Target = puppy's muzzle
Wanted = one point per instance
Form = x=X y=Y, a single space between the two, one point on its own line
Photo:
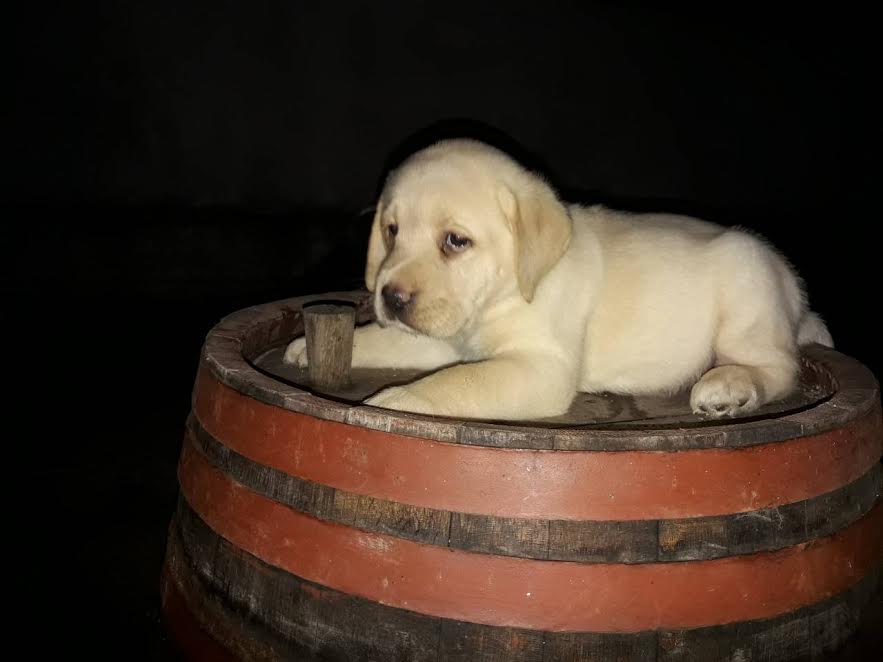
x=397 y=301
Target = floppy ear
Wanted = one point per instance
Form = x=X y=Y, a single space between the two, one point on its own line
x=376 y=250
x=541 y=228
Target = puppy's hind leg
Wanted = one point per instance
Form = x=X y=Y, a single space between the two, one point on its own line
x=755 y=347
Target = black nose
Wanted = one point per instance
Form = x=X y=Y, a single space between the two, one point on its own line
x=396 y=299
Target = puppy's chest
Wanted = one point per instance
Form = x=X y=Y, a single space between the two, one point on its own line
x=473 y=348
x=485 y=340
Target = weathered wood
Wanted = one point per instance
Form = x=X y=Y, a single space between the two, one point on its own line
x=223 y=615
x=831 y=623
x=298 y=619
x=264 y=389
x=527 y=538
x=190 y=637
x=586 y=541
x=580 y=646
x=773 y=528
x=831 y=512
x=329 y=335
x=411 y=425
x=607 y=541
x=778 y=639
x=809 y=633
x=261 y=612
x=398 y=519
x=500 y=436
x=470 y=642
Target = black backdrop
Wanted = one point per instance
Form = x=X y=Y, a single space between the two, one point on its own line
x=230 y=146
x=168 y=162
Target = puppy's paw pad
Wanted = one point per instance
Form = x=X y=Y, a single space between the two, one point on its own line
x=296 y=353
x=726 y=391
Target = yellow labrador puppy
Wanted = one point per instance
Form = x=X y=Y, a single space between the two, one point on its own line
x=480 y=271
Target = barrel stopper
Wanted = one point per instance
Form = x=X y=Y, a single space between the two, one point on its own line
x=329 y=334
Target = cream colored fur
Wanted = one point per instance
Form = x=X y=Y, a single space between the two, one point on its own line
x=549 y=299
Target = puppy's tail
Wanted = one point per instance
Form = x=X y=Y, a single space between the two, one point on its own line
x=812 y=329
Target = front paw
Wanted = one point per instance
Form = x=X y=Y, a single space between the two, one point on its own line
x=724 y=391
x=296 y=353
x=403 y=399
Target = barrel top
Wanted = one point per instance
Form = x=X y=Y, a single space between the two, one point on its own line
x=244 y=352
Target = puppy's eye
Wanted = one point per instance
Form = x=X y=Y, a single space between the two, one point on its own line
x=455 y=243
x=392 y=230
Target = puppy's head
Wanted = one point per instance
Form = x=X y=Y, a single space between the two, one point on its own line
x=459 y=226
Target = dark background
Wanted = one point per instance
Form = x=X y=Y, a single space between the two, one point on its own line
x=169 y=162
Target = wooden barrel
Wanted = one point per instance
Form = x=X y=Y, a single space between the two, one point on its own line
x=313 y=527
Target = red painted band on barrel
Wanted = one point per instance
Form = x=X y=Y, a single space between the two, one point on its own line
x=575 y=485
x=543 y=595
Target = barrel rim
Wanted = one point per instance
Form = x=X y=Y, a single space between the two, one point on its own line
x=232 y=345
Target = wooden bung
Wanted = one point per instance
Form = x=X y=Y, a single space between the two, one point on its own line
x=329 y=335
